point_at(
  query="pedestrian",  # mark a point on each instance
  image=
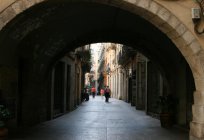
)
(83, 94)
(93, 91)
(87, 95)
(102, 92)
(107, 93)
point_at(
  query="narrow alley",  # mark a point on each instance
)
(98, 120)
(147, 55)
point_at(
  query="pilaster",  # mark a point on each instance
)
(197, 125)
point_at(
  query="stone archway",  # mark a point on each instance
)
(164, 20)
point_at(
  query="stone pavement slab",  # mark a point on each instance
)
(98, 120)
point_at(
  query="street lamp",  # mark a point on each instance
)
(196, 16)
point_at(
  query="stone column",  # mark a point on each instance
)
(119, 83)
(116, 83)
(113, 92)
(197, 124)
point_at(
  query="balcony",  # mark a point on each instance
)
(84, 55)
(125, 54)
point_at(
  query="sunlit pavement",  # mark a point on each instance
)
(98, 120)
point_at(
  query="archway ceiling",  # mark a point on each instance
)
(49, 30)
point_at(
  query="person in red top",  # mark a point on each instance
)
(93, 91)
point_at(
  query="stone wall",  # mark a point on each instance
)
(8, 81)
(8, 89)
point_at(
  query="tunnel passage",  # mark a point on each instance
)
(35, 39)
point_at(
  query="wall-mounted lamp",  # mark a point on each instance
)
(197, 14)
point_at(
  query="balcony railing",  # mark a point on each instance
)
(125, 54)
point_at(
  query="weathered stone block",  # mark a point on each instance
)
(28, 3)
(181, 29)
(130, 5)
(7, 15)
(144, 4)
(165, 28)
(1, 24)
(199, 81)
(198, 98)
(116, 2)
(194, 138)
(188, 37)
(157, 21)
(173, 21)
(200, 54)
(197, 130)
(180, 43)
(132, 1)
(38, 1)
(173, 35)
(18, 7)
(198, 113)
(164, 14)
(195, 47)
(154, 7)
(148, 16)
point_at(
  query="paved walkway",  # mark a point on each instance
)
(97, 120)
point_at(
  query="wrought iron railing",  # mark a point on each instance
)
(125, 54)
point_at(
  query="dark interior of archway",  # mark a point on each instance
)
(51, 29)
(46, 32)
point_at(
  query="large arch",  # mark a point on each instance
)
(165, 21)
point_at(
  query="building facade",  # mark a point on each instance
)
(136, 79)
